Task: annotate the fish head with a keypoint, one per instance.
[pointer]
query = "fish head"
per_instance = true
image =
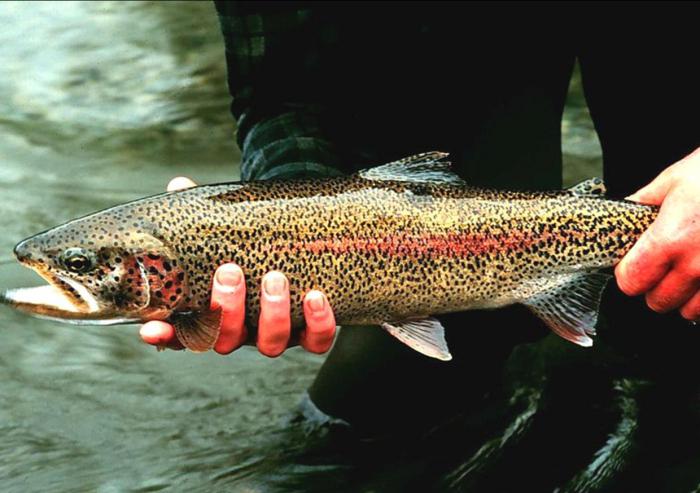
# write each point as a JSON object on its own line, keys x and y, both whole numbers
{"x": 99, "y": 271}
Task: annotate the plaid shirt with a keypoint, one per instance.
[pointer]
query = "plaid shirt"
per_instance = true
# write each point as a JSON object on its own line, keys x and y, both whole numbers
{"x": 324, "y": 89}
{"x": 279, "y": 131}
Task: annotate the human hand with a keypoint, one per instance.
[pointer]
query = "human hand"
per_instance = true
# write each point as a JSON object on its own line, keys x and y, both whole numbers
{"x": 274, "y": 326}
{"x": 664, "y": 264}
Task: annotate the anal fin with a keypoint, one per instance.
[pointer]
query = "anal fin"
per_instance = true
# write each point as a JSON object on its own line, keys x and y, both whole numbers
{"x": 570, "y": 305}
{"x": 197, "y": 331}
{"x": 426, "y": 335}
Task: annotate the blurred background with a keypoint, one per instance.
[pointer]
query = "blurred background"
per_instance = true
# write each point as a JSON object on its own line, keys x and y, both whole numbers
{"x": 100, "y": 103}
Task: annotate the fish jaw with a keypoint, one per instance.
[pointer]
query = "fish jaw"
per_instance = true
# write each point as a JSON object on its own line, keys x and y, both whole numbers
{"x": 62, "y": 299}
{"x": 49, "y": 302}
{"x": 40, "y": 300}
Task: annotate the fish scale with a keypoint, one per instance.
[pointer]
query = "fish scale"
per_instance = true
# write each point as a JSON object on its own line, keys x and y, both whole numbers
{"x": 392, "y": 246}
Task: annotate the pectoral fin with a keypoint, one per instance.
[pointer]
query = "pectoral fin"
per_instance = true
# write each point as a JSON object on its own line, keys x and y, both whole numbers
{"x": 197, "y": 331}
{"x": 570, "y": 306}
{"x": 426, "y": 335}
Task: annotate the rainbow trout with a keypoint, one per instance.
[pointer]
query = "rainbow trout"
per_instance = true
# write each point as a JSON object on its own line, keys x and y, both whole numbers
{"x": 392, "y": 246}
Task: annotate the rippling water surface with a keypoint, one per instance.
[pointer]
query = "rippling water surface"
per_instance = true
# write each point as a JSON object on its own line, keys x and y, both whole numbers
{"x": 102, "y": 102}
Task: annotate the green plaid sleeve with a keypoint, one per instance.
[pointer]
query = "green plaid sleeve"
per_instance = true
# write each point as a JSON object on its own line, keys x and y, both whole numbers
{"x": 270, "y": 51}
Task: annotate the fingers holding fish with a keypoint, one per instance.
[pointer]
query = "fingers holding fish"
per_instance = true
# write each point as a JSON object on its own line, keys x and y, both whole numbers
{"x": 228, "y": 294}
{"x": 644, "y": 266}
{"x": 320, "y": 323}
{"x": 674, "y": 290}
{"x": 691, "y": 310}
{"x": 160, "y": 334}
{"x": 665, "y": 263}
{"x": 274, "y": 325}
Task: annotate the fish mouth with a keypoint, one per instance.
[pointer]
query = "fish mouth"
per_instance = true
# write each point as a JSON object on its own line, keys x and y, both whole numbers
{"x": 62, "y": 299}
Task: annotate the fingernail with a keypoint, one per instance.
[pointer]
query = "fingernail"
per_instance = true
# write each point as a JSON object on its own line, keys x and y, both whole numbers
{"x": 316, "y": 301}
{"x": 275, "y": 285}
{"x": 229, "y": 278}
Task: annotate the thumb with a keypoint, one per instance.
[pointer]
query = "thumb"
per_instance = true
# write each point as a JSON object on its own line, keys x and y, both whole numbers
{"x": 180, "y": 183}
{"x": 655, "y": 192}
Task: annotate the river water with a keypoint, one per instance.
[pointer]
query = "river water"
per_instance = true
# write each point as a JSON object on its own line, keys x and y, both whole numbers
{"x": 103, "y": 102}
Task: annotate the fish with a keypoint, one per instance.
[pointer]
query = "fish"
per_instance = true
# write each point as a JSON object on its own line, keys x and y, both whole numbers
{"x": 394, "y": 246}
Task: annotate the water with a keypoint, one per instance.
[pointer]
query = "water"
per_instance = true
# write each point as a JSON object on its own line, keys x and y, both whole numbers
{"x": 101, "y": 103}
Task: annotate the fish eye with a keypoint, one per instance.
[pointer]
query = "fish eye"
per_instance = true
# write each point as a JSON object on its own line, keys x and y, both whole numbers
{"x": 78, "y": 260}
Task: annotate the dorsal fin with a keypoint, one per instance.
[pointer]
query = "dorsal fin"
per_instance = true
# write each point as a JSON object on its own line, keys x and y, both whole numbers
{"x": 593, "y": 187}
{"x": 429, "y": 167}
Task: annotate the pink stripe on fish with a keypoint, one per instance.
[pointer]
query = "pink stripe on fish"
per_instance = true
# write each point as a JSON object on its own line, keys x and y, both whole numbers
{"x": 450, "y": 244}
